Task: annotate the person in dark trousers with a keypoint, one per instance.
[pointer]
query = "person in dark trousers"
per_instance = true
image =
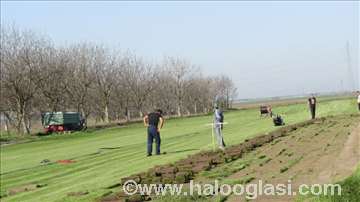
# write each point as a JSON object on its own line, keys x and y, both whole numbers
{"x": 154, "y": 122}
{"x": 312, "y": 106}
{"x": 358, "y": 99}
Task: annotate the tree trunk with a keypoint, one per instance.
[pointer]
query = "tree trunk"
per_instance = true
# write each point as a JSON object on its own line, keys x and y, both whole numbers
{"x": 128, "y": 115}
{"x": 139, "y": 105}
{"x": 6, "y": 126}
{"x": 6, "y": 122}
{"x": 179, "y": 110}
{"x": 106, "y": 113}
{"x": 21, "y": 118}
{"x": 25, "y": 126}
{"x": 84, "y": 116}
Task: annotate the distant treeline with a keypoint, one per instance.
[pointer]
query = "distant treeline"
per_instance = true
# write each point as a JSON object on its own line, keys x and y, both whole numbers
{"x": 102, "y": 83}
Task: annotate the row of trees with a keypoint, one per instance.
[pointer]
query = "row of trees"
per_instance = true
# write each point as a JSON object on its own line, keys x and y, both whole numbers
{"x": 103, "y": 84}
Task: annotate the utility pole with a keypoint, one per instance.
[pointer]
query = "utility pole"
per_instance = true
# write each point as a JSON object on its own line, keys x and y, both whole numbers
{"x": 350, "y": 71}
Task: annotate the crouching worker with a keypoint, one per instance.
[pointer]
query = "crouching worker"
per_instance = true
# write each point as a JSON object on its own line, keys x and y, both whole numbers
{"x": 218, "y": 122}
{"x": 154, "y": 122}
{"x": 278, "y": 121}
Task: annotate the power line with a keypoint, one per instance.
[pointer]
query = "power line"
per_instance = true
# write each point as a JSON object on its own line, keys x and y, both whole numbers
{"x": 349, "y": 66}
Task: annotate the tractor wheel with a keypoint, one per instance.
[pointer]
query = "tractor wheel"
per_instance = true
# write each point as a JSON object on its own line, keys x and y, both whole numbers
{"x": 60, "y": 128}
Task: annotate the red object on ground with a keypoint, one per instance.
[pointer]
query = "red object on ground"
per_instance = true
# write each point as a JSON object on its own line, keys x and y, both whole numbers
{"x": 54, "y": 128}
{"x": 60, "y": 128}
{"x": 65, "y": 161}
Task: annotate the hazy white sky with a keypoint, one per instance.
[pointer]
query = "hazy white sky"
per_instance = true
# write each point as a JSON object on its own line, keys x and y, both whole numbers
{"x": 267, "y": 48}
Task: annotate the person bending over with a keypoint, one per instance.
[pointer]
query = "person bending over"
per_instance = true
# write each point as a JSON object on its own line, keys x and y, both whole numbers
{"x": 154, "y": 122}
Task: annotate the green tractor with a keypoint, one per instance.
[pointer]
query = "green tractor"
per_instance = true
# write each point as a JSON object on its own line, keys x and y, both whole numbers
{"x": 62, "y": 121}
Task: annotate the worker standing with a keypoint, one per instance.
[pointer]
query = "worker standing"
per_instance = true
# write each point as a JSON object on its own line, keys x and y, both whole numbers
{"x": 358, "y": 100}
{"x": 154, "y": 122}
{"x": 312, "y": 106}
{"x": 218, "y": 122}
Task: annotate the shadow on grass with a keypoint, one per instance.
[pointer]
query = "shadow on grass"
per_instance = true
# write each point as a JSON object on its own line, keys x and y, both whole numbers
{"x": 111, "y": 148}
{"x": 181, "y": 151}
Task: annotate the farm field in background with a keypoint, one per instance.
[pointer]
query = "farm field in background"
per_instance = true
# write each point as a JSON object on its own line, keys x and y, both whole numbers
{"x": 102, "y": 157}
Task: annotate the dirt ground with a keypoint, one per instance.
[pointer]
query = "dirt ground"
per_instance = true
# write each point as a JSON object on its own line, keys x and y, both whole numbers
{"x": 319, "y": 151}
{"x": 324, "y": 152}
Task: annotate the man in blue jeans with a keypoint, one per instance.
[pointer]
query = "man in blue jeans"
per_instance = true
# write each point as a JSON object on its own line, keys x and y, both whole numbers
{"x": 154, "y": 122}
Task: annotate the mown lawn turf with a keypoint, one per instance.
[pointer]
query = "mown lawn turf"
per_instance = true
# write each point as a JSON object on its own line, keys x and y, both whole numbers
{"x": 104, "y": 156}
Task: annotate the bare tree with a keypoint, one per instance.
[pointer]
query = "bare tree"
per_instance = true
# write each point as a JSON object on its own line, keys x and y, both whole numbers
{"x": 37, "y": 76}
{"x": 82, "y": 72}
{"x": 198, "y": 95}
{"x": 105, "y": 75}
{"x": 21, "y": 62}
{"x": 138, "y": 80}
{"x": 163, "y": 96}
{"x": 55, "y": 79}
{"x": 225, "y": 91}
{"x": 180, "y": 70}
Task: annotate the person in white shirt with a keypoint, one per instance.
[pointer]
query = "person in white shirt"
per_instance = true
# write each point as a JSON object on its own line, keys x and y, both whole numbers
{"x": 218, "y": 122}
{"x": 358, "y": 99}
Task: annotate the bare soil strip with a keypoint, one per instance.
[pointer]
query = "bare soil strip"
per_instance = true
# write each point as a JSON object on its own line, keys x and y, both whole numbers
{"x": 346, "y": 161}
{"x": 324, "y": 152}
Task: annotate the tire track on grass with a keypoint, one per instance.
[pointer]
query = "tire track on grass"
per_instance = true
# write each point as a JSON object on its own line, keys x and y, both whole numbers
{"x": 86, "y": 166}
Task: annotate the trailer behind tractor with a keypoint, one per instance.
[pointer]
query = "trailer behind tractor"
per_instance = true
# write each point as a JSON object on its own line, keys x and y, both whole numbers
{"x": 62, "y": 121}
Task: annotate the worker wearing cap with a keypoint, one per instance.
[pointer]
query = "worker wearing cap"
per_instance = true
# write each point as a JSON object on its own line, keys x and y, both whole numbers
{"x": 154, "y": 122}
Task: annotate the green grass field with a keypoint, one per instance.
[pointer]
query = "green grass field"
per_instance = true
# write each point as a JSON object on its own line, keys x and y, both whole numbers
{"x": 104, "y": 156}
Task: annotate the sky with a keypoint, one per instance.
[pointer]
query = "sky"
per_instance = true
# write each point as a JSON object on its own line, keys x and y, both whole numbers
{"x": 267, "y": 48}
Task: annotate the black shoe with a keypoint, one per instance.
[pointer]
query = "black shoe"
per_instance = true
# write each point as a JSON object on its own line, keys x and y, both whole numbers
{"x": 149, "y": 155}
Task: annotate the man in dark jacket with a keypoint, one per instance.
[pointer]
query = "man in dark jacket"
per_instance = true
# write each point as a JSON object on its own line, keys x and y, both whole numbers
{"x": 312, "y": 106}
{"x": 154, "y": 122}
